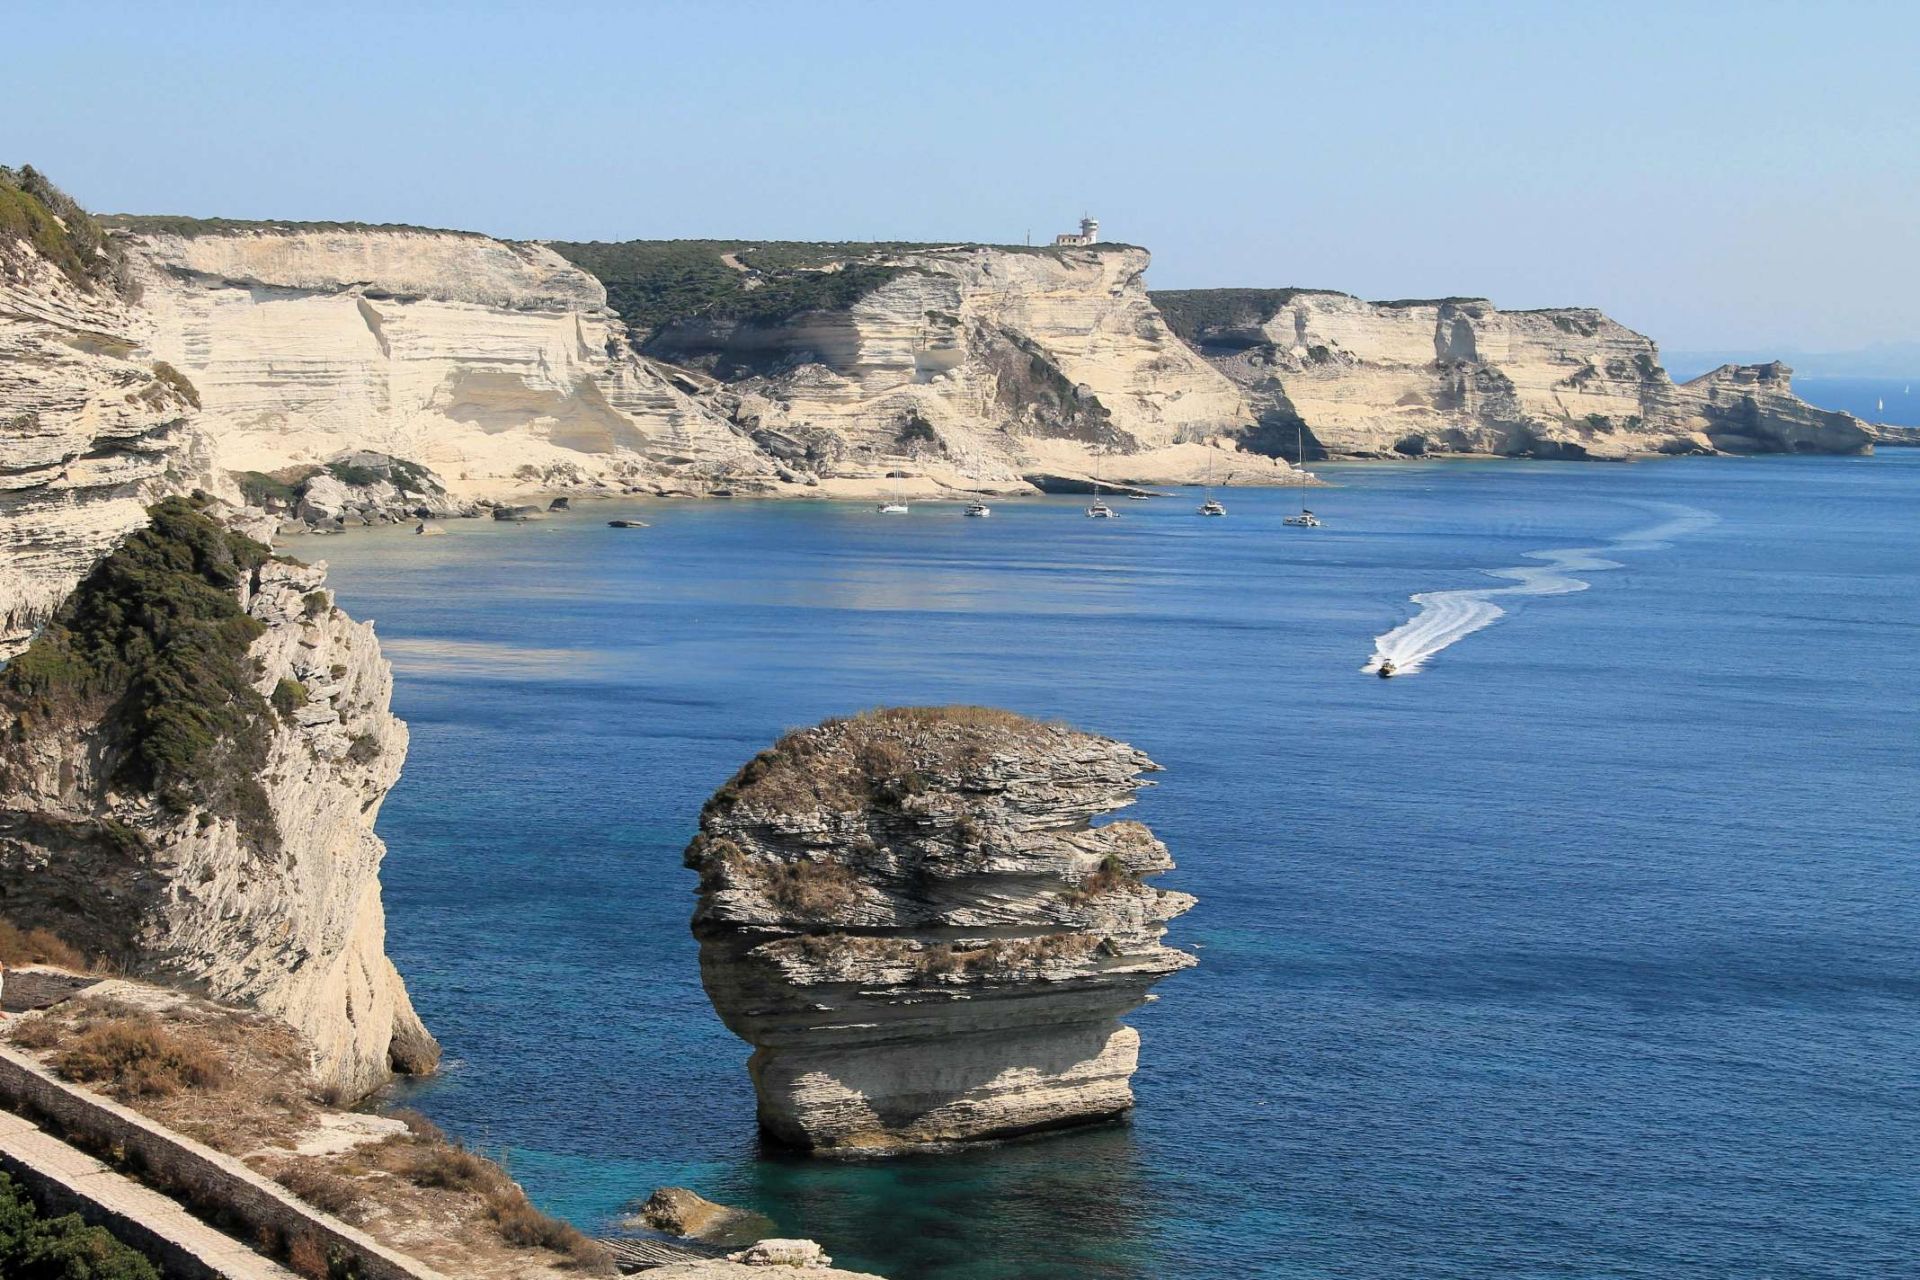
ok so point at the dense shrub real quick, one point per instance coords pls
(34, 210)
(289, 696)
(33, 1247)
(154, 640)
(520, 1223)
(169, 376)
(138, 1057)
(37, 946)
(324, 1190)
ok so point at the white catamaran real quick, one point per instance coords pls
(1306, 519)
(1211, 507)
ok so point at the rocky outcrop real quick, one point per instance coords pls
(911, 917)
(1458, 375)
(968, 367)
(360, 488)
(496, 365)
(197, 748)
(1751, 408)
(91, 427)
(676, 1211)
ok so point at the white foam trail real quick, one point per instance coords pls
(1444, 618)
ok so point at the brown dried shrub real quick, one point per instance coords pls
(37, 946)
(821, 890)
(450, 1165)
(138, 1057)
(36, 1033)
(518, 1222)
(324, 1190)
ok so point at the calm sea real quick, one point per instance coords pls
(1591, 949)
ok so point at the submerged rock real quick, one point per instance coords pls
(910, 916)
(680, 1212)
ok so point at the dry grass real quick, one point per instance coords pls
(882, 756)
(38, 946)
(481, 1188)
(233, 1080)
(1109, 877)
(325, 1190)
(811, 890)
(306, 1256)
(137, 1057)
(240, 1083)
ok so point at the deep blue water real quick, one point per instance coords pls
(1889, 400)
(1591, 950)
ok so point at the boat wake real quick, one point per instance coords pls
(1444, 618)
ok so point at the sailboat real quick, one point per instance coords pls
(1306, 519)
(1098, 510)
(1211, 507)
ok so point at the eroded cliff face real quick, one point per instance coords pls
(496, 365)
(189, 788)
(1751, 408)
(912, 919)
(975, 367)
(91, 430)
(1385, 379)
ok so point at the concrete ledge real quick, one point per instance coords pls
(192, 1173)
(62, 1180)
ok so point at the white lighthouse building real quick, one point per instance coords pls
(1089, 233)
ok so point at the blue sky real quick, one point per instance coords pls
(1718, 175)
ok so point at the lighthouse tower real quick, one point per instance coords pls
(1089, 233)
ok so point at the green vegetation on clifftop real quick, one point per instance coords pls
(653, 283)
(34, 210)
(154, 643)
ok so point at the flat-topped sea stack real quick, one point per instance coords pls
(911, 917)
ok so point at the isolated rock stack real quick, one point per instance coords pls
(910, 917)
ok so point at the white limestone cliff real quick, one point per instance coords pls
(496, 365)
(91, 430)
(972, 367)
(1385, 379)
(94, 428)
(291, 924)
(912, 919)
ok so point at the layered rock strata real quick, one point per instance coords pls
(1751, 408)
(1458, 375)
(218, 836)
(91, 430)
(496, 365)
(974, 366)
(912, 918)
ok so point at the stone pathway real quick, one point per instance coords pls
(40, 988)
(135, 1214)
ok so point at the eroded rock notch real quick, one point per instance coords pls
(912, 919)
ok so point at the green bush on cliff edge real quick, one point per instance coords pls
(33, 1247)
(153, 643)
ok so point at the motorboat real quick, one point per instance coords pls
(893, 508)
(978, 510)
(1387, 670)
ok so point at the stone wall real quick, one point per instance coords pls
(199, 1176)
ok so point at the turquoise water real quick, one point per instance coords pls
(1592, 949)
